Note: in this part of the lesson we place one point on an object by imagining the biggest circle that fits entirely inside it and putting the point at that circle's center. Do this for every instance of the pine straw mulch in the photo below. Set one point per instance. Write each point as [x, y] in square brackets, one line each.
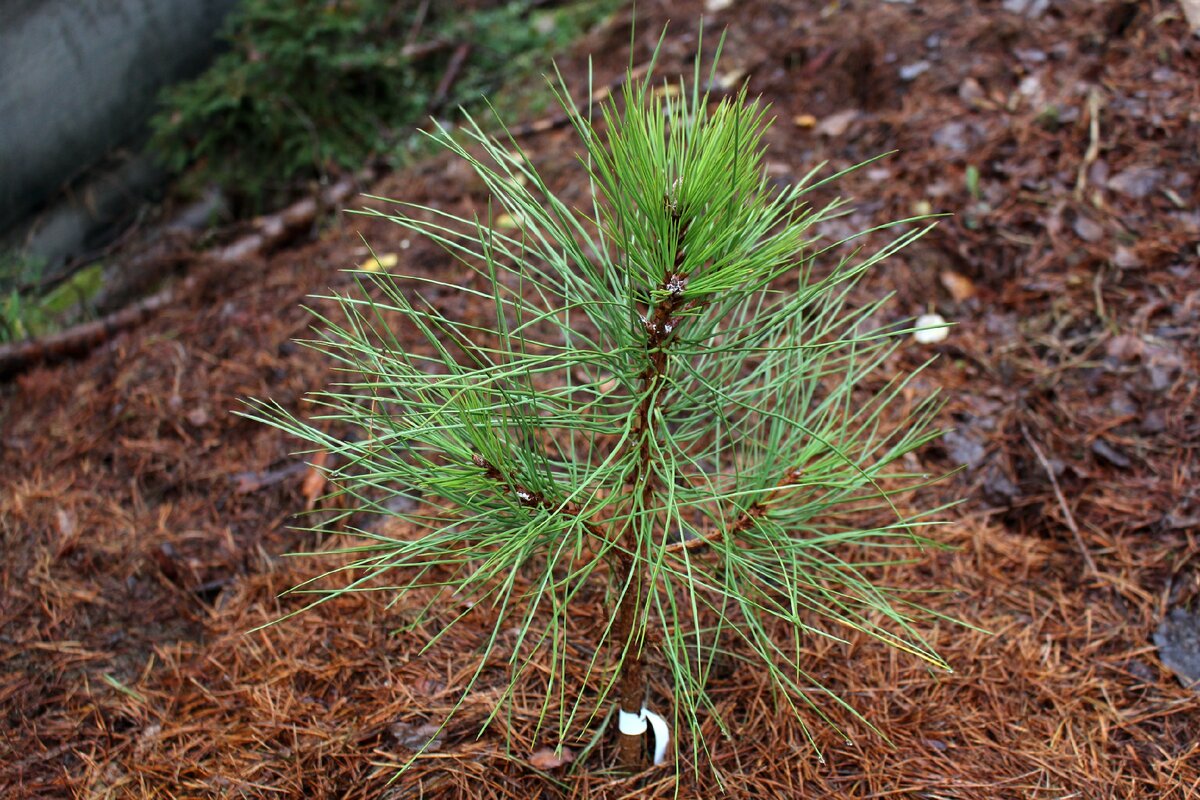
[143, 525]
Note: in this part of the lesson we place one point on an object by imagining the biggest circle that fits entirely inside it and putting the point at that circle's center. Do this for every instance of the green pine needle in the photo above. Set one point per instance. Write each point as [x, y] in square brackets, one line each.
[671, 399]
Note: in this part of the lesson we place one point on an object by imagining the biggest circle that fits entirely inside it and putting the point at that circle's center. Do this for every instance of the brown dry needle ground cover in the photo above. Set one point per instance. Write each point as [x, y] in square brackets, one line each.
[144, 526]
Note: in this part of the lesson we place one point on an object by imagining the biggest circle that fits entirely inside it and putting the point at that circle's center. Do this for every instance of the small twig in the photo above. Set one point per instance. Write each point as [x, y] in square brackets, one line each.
[528, 498]
[757, 509]
[453, 69]
[743, 522]
[418, 21]
[82, 338]
[424, 49]
[1068, 517]
[1093, 150]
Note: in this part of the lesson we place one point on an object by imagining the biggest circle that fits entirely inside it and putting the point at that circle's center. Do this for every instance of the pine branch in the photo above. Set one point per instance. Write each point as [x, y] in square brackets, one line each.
[529, 498]
[745, 521]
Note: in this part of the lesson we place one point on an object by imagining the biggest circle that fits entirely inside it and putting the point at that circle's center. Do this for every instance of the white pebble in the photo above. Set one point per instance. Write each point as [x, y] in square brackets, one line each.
[930, 329]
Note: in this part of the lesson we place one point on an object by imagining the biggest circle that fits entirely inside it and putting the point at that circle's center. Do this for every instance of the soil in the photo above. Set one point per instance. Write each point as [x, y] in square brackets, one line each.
[145, 526]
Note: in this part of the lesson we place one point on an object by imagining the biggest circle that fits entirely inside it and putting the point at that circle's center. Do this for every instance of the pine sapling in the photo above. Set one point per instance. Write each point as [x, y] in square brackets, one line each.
[671, 398]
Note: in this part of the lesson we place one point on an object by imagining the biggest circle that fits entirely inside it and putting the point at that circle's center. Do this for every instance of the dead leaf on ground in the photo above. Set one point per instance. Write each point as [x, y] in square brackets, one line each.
[247, 482]
[837, 124]
[547, 758]
[383, 262]
[1087, 229]
[315, 480]
[421, 736]
[1136, 182]
[959, 286]
[1178, 642]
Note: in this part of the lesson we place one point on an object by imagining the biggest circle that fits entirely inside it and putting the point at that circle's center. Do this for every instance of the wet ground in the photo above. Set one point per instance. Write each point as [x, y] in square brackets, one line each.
[144, 525]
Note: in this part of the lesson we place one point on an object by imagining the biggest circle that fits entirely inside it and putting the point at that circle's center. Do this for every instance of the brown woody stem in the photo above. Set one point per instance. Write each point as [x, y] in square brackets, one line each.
[631, 688]
[659, 323]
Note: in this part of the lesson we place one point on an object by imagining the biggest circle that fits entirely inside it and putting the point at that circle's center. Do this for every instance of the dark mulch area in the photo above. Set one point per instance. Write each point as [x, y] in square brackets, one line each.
[144, 525]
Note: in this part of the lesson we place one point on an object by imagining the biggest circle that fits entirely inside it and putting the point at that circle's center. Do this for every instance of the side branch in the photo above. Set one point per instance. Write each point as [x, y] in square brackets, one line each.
[531, 499]
[740, 525]
[756, 510]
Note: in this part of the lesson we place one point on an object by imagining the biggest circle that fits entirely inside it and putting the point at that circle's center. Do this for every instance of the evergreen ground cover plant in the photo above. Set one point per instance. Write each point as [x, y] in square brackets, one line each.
[307, 87]
[668, 404]
[26, 311]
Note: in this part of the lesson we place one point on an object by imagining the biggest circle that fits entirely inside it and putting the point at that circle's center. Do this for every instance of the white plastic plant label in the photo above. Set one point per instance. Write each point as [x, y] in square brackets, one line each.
[631, 724]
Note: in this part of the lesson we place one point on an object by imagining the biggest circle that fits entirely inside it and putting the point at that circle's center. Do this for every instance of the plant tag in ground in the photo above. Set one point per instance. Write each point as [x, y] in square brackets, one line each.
[636, 724]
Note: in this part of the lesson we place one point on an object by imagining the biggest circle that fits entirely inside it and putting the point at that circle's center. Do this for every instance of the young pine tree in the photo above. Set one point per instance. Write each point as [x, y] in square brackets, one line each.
[666, 403]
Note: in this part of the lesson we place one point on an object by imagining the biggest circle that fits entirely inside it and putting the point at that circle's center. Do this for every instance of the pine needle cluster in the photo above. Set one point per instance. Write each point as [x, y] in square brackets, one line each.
[665, 402]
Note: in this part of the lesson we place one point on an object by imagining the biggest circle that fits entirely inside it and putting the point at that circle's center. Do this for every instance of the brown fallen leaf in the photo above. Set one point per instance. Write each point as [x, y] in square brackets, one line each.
[417, 736]
[959, 286]
[247, 482]
[547, 759]
[835, 125]
[314, 480]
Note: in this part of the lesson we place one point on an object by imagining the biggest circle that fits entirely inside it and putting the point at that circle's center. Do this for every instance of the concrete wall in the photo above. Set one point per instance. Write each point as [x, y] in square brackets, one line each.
[79, 77]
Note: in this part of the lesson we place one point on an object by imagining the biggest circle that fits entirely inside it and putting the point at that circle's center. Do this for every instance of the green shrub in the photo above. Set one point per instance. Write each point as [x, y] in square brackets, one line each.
[27, 313]
[310, 86]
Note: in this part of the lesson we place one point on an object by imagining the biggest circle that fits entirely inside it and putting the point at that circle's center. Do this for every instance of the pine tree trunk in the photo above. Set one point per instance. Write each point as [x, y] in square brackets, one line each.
[631, 685]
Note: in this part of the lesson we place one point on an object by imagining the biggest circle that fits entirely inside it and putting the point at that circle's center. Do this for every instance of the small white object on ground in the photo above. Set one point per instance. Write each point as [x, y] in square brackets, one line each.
[632, 724]
[1191, 10]
[930, 329]
[910, 72]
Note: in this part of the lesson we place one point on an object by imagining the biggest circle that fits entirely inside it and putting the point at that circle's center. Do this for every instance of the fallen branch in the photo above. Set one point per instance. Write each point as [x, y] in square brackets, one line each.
[453, 69]
[269, 232]
[171, 245]
[276, 229]
[17, 356]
